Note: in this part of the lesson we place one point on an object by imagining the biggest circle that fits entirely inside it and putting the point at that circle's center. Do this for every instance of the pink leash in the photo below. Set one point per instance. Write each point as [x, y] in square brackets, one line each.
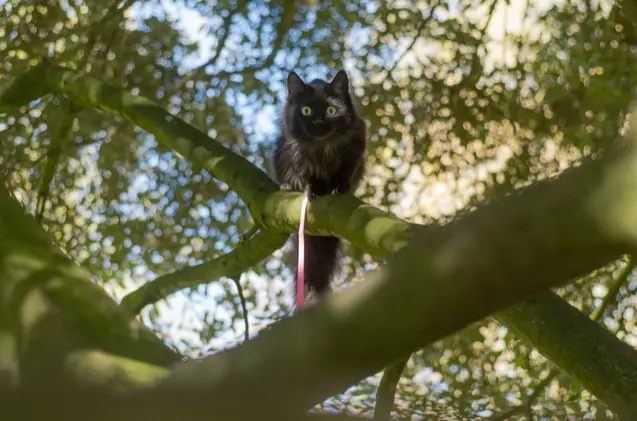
[300, 285]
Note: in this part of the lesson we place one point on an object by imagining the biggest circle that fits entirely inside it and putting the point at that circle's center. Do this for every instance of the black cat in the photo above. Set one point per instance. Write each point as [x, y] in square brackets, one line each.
[320, 151]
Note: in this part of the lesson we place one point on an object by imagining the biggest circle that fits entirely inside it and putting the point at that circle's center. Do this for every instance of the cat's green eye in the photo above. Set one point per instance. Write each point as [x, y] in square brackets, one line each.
[331, 110]
[306, 110]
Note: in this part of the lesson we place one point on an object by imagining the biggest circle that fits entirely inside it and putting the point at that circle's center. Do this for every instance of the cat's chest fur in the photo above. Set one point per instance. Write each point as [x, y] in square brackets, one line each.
[317, 161]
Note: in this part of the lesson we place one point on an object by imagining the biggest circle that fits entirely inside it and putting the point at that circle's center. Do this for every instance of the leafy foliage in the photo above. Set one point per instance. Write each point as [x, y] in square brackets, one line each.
[465, 100]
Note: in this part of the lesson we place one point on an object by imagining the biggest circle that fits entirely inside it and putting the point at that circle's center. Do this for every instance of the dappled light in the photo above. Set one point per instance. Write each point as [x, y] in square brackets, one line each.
[140, 134]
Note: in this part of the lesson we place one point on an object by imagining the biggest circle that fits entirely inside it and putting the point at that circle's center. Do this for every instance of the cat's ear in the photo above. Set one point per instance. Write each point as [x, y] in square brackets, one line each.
[340, 83]
[295, 84]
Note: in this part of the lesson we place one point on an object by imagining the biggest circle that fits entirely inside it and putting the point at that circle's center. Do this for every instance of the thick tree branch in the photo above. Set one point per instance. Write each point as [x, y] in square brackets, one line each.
[53, 307]
[96, 404]
[606, 366]
[118, 374]
[445, 278]
[441, 281]
[232, 264]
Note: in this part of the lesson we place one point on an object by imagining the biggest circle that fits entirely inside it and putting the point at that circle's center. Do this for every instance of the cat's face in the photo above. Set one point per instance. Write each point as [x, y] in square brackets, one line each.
[318, 111]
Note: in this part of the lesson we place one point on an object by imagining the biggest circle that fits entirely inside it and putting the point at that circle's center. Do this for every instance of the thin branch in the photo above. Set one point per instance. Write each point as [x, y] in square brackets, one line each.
[529, 401]
[611, 296]
[244, 307]
[539, 388]
[287, 19]
[249, 233]
[113, 12]
[492, 7]
[231, 265]
[507, 413]
[55, 152]
[386, 392]
[421, 26]
[221, 43]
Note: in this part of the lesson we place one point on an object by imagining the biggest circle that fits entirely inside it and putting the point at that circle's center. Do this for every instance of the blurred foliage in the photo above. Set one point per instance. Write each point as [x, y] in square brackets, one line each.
[465, 100]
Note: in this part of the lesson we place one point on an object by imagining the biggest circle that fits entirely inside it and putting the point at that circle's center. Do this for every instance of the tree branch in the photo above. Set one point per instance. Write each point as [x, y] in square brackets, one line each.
[221, 43]
[230, 265]
[595, 316]
[611, 296]
[79, 404]
[386, 392]
[244, 308]
[286, 21]
[54, 307]
[421, 25]
[443, 279]
[606, 366]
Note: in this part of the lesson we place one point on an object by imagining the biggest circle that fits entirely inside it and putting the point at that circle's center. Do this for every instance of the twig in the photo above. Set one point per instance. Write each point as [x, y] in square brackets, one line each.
[419, 29]
[483, 31]
[244, 307]
[54, 153]
[113, 12]
[528, 402]
[508, 413]
[541, 386]
[287, 18]
[623, 276]
[249, 233]
[220, 46]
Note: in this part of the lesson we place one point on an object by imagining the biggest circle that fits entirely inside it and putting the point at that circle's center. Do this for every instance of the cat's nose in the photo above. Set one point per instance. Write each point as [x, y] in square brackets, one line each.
[318, 121]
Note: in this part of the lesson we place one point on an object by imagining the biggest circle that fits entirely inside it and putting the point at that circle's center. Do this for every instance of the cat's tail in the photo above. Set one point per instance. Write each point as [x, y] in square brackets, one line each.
[321, 263]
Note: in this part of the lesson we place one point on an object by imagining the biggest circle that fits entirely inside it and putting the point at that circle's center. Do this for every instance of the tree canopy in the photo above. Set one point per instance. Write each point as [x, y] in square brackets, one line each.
[139, 135]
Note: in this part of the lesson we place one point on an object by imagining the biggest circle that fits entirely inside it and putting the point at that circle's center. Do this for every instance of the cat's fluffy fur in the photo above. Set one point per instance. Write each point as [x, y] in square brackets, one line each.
[320, 152]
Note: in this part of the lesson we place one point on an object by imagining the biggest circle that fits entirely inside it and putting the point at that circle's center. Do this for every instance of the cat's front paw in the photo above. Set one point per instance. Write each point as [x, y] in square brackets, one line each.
[340, 190]
[285, 187]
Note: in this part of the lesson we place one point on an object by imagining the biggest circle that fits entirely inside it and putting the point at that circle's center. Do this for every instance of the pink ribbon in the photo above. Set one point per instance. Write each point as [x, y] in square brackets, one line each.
[300, 285]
